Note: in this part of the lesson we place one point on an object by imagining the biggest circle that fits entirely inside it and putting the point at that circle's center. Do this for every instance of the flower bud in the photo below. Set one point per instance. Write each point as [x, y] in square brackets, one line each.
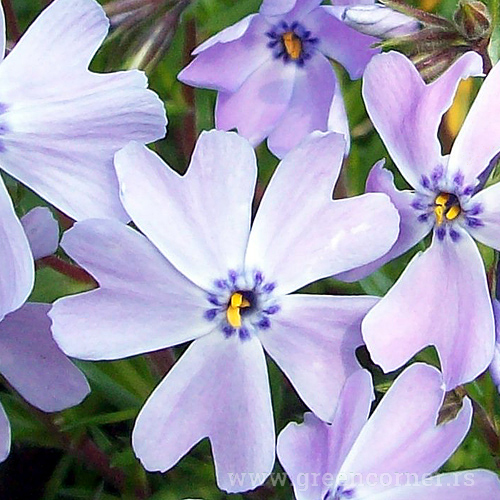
[473, 19]
[379, 21]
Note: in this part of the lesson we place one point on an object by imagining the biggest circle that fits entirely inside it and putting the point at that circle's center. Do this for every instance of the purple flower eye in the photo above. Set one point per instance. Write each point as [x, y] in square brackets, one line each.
[244, 301]
[292, 42]
[443, 201]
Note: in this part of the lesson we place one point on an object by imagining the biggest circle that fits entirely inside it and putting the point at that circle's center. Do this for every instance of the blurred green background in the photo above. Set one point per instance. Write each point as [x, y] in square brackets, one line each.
[52, 455]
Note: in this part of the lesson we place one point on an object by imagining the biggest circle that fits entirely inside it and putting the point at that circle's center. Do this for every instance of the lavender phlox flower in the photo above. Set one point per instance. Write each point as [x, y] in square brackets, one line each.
[442, 298]
[29, 358]
[272, 72]
[389, 456]
[205, 272]
[61, 124]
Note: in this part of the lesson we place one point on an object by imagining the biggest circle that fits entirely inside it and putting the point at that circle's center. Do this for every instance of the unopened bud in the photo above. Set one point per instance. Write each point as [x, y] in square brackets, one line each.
[473, 19]
[379, 21]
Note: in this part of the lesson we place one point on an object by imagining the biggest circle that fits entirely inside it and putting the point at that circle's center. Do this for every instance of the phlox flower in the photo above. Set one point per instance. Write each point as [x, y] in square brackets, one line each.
[442, 298]
[60, 124]
[29, 358]
[204, 272]
[389, 456]
[272, 72]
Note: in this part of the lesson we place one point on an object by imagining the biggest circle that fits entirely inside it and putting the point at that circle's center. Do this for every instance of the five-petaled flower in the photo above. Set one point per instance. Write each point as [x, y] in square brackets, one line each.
[204, 272]
[60, 124]
[442, 298]
[272, 72]
[389, 456]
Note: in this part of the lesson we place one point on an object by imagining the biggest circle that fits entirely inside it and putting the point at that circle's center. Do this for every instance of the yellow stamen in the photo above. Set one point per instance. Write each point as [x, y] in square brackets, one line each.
[453, 212]
[439, 211]
[236, 300]
[233, 313]
[293, 44]
[442, 199]
[446, 206]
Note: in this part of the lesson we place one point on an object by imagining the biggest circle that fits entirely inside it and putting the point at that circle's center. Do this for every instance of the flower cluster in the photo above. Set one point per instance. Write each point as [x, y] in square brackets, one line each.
[202, 264]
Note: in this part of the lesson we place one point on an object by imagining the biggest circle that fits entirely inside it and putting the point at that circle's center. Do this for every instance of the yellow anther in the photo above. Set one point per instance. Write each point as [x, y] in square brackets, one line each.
[233, 316]
[233, 313]
[446, 205]
[293, 44]
[439, 211]
[453, 212]
[442, 199]
[236, 300]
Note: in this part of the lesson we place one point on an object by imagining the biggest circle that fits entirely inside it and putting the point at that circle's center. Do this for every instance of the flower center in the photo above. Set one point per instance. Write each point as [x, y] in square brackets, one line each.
[239, 302]
[445, 201]
[293, 44]
[242, 304]
[446, 207]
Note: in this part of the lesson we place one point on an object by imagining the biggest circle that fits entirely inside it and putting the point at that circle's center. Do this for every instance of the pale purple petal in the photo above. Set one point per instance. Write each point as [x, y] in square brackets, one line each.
[219, 389]
[17, 272]
[299, 227]
[402, 435]
[62, 123]
[4, 428]
[199, 221]
[441, 299]
[42, 231]
[495, 367]
[337, 118]
[314, 451]
[259, 104]
[495, 364]
[340, 42]
[406, 112]
[352, 2]
[228, 34]
[224, 64]
[276, 8]
[295, 9]
[303, 452]
[487, 202]
[351, 414]
[313, 339]
[309, 107]
[466, 485]
[143, 303]
[34, 365]
[67, 30]
[411, 231]
[479, 138]
[380, 21]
